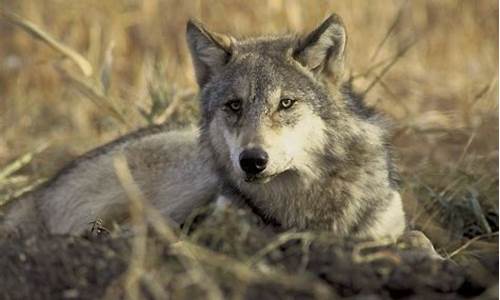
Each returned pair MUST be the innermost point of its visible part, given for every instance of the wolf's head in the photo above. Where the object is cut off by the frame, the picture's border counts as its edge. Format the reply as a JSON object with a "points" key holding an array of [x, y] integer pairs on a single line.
{"points": [[266, 101]]}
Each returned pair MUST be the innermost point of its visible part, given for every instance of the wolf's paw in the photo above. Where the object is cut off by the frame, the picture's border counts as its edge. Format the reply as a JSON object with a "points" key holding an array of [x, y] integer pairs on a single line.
{"points": [[415, 239]]}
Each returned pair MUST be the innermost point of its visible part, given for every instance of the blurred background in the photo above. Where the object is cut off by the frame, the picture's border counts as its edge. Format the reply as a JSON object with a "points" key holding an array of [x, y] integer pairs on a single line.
{"points": [[430, 66]]}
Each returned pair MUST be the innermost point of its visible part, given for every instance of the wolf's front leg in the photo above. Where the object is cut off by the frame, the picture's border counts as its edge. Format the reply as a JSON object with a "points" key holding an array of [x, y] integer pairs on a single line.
{"points": [[418, 240]]}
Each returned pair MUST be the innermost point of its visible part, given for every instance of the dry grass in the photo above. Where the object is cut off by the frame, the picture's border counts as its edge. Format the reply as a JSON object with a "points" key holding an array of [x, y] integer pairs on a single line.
{"points": [[98, 69]]}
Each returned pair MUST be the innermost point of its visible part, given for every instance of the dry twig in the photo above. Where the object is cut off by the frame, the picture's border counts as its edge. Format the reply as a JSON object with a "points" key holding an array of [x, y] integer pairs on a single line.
{"points": [[94, 95], [470, 242], [40, 34], [387, 67]]}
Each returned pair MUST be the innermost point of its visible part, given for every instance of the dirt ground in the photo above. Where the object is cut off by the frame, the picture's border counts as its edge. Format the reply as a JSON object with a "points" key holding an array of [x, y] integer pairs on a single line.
{"points": [[293, 265]]}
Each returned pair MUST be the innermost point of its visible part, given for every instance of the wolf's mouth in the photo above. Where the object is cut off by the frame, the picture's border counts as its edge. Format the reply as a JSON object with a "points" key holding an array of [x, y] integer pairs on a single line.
{"points": [[259, 179], [265, 178]]}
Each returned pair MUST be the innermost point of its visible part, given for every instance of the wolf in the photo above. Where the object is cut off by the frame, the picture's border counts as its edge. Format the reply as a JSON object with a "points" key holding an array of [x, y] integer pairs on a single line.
{"points": [[289, 136], [281, 132]]}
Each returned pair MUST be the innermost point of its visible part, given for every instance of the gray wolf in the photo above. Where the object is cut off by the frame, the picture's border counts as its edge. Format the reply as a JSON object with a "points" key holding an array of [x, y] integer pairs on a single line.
{"points": [[281, 132], [290, 138]]}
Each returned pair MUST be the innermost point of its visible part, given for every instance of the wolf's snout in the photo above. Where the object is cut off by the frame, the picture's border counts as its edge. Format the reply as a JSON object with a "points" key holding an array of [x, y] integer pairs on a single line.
{"points": [[253, 161]]}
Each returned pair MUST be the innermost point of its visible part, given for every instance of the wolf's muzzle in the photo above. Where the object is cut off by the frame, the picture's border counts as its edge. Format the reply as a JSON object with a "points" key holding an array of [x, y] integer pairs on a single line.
{"points": [[253, 161]]}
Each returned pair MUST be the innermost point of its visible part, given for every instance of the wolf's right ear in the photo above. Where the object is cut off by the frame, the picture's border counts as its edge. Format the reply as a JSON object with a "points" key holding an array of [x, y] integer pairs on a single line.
{"points": [[209, 50], [322, 50]]}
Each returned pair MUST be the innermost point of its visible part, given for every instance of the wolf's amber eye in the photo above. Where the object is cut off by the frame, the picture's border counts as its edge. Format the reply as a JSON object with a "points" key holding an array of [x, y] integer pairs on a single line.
{"points": [[286, 103], [234, 105]]}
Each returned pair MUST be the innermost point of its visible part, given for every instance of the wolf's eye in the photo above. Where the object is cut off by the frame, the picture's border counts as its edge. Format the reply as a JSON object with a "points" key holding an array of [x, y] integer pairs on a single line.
{"points": [[234, 105], [286, 103]]}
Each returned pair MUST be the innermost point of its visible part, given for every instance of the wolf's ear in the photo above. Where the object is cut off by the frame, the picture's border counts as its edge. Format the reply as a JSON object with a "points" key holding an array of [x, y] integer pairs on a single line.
{"points": [[322, 50], [210, 51]]}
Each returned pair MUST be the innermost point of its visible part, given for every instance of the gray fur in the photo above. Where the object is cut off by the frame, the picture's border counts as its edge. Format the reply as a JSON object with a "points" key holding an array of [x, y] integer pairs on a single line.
{"points": [[329, 169], [162, 163], [343, 180]]}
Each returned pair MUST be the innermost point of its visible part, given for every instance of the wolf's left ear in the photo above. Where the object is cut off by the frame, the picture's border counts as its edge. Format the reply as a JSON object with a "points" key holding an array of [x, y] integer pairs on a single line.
{"points": [[322, 50], [210, 51]]}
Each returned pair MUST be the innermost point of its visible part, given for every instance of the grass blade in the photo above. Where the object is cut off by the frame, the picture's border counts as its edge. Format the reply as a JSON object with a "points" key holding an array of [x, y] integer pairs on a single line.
{"points": [[38, 33]]}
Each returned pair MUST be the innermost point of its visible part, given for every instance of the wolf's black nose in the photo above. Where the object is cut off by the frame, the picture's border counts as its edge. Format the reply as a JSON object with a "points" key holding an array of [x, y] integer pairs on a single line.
{"points": [[253, 161]]}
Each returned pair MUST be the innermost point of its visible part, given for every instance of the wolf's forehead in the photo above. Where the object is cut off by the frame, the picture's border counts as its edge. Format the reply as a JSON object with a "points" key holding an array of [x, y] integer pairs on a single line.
{"points": [[255, 80], [261, 74], [264, 54], [260, 69]]}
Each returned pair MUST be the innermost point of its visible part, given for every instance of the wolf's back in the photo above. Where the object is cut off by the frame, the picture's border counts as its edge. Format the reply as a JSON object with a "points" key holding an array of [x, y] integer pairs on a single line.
{"points": [[169, 167]]}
